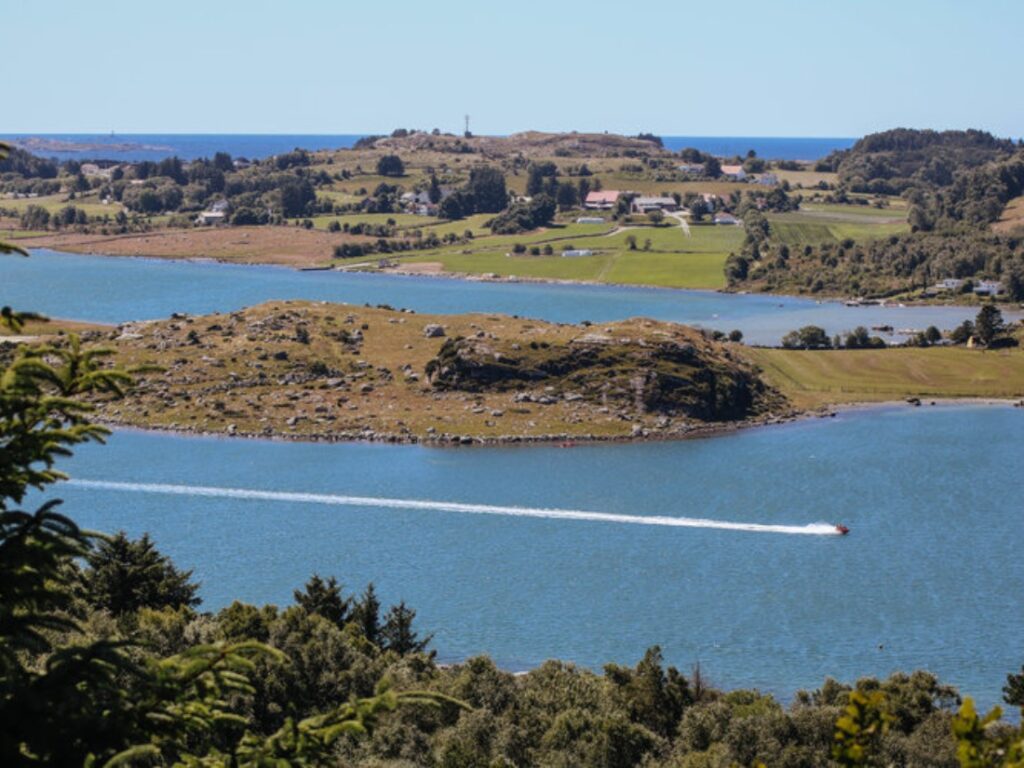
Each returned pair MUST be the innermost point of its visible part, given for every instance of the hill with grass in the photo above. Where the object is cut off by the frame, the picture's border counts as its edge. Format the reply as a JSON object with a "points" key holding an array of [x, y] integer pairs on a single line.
{"points": [[338, 372], [526, 144]]}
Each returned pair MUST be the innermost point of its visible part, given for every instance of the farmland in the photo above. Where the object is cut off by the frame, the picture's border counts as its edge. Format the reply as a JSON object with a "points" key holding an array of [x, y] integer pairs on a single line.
{"points": [[663, 256], [816, 378], [53, 203], [817, 223]]}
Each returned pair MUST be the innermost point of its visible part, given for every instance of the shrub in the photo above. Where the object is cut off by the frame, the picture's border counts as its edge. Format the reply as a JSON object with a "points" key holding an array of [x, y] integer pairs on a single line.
{"points": [[390, 165]]}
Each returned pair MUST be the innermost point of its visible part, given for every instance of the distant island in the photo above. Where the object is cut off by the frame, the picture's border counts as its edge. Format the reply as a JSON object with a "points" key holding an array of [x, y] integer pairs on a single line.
{"points": [[42, 145]]}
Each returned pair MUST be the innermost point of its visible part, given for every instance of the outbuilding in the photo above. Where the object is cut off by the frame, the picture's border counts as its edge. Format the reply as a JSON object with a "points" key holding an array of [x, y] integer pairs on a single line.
{"points": [[734, 172], [207, 218], [648, 204]]}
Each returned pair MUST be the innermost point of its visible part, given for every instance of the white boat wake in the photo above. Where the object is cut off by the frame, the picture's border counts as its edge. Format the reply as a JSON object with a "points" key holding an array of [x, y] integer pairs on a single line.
{"points": [[812, 529]]}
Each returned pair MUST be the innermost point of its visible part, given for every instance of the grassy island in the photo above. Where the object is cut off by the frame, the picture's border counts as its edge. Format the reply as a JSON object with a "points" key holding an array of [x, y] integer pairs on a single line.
{"points": [[318, 371]]}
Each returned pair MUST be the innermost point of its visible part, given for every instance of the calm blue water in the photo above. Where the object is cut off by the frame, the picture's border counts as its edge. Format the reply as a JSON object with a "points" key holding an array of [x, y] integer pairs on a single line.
{"points": [[931, 575], [190, 146], [768, 147], [106, 289]]}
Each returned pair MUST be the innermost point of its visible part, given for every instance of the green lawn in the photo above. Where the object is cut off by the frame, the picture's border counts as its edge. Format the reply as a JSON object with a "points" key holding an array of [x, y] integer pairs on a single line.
{"points": [[814, 224], [895, 211], [15, 234], [474, 224], [821, 377], [674, 259], [53, 203], [670, 270], [402, 220], [612, 265]]}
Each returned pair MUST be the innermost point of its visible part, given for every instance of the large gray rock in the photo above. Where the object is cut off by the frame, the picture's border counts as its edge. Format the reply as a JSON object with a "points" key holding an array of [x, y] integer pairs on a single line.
{"points": [[433, 330]]}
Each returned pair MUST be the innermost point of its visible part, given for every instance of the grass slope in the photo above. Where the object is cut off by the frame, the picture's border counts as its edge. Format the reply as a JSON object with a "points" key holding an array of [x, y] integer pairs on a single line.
{"points": [[356, 372], [815, 378]]}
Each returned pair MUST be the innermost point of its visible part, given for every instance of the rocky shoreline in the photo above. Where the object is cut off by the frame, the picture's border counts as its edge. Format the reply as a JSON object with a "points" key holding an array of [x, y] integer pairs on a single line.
{"points": [[450, 440], [643, 435]]}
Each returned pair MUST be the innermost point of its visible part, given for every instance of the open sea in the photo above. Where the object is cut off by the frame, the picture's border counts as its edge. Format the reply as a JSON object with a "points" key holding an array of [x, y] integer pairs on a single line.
{"points": [[188, 146]]}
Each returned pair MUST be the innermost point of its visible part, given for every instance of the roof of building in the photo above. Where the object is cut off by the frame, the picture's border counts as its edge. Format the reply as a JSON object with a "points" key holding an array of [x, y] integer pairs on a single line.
{"points": [[655, 201], [732, 170], [604, 196]]}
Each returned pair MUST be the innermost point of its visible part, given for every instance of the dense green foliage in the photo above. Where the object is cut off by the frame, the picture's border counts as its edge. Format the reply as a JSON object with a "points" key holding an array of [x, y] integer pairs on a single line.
{"points": [[485, 192], [883, 267], [808, 337], [390, 165], [18, 162], [956, 182], [521, 217], [893, 161]]}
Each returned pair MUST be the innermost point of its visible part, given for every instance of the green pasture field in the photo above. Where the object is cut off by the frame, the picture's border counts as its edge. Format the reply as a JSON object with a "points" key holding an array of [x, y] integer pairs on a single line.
{"points": [[813, 378], [674, 260], [896, 210], [814, 224], [402, 220], [54, 203]]}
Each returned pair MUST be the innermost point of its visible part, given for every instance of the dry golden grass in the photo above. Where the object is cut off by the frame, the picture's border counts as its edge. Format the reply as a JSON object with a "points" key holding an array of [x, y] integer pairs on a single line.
{"points": [[52, 327], [247, 373], [1012, 218], [289, 246]]}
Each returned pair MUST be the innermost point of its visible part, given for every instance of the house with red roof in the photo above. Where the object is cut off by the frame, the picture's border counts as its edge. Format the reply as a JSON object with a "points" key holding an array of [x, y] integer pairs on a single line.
{"points": [[602, 201]]}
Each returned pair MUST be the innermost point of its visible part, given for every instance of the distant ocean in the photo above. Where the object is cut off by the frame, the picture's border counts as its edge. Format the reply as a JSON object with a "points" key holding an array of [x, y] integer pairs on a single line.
{"points": [[188, 146]]}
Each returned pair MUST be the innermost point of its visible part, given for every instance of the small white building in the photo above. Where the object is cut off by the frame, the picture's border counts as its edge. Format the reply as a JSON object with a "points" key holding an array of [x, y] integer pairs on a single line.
{"points": [[693, 169], [949, 284], [577, 252], [767, 180], [410, 199], [590, 220], [734, 172], [209, 218], [726, 218]]}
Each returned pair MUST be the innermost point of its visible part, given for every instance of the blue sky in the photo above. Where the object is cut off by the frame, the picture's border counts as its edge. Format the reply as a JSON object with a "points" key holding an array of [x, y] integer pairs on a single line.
{"points": [[782, 68]]}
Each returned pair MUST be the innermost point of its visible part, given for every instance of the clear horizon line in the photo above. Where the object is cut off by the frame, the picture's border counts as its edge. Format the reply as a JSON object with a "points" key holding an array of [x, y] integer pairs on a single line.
{"points": [[387, 134]]}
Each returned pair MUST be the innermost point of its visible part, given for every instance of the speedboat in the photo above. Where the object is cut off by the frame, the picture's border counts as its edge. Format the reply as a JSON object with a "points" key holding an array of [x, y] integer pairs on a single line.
{"points": [[842, 530]]}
